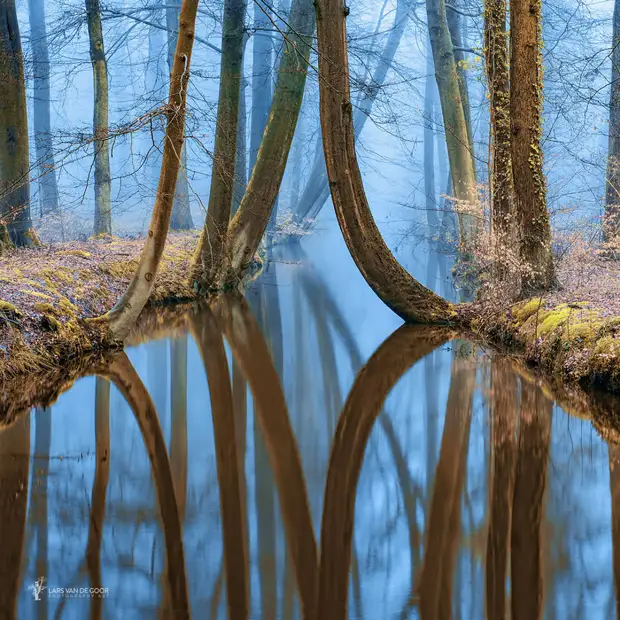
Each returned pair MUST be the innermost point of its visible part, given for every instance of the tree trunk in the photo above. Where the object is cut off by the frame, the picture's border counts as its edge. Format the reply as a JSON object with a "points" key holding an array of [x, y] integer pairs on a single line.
{"points": [[530, 189], [432, 221], [178, 407], [614, 489], [211, 247], [395, 286], [455, 122], [241, 159], [181, 212], [14, 155], [48, 187], [501, 485], [500, 174], [103, 205], [124, 314], [527, 508], [611, 217], [248, 226], [316, 190]]}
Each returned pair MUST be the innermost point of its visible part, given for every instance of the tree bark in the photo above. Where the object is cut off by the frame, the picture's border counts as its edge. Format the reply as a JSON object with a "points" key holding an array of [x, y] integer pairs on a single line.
{"points": [[124, 314], [48, 187], [181, 212], [455, 122], [103, 205], [611, 217], [530, 188], [248, 226], [394, 286], [15, 222], [432, 221], [497, 69], [211, 247], [614, 489]]}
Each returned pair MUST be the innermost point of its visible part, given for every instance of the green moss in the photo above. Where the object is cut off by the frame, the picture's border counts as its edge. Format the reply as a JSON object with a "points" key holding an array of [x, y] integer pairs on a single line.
{"points": [[5, 306], [523, 311], [80, 253]]}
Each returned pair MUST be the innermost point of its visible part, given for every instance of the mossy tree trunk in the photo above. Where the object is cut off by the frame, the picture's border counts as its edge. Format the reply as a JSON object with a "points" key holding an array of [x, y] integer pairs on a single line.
{"points": [[211, 247], [500, 176], [124, 314], [395, 286], [181, 212], [103, 205], [455, 122], [611, 219], [248, 226], [48, 186], [14, 154], [530, 188]]}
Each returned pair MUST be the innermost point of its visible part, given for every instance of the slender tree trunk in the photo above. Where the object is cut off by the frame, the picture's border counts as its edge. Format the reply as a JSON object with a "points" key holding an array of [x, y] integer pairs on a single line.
{"points": [[15, 222], [455, 122], [14, 472], [178, 440], [181, 212], [501, 485], [500, 173], [614, 488], [611, 217], [100, 486], [241, 159], [394, 286], [248, 226], [103, 205], [530, 189], [210, 253], [124, 314], [432, 220], [527, 509], [48, 187], [262, 66], [316, 191]]}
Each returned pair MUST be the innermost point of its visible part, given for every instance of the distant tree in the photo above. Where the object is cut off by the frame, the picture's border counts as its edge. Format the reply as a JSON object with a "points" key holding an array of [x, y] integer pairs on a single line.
{"points": [[48, 187], [103, 207], [15, 222]]}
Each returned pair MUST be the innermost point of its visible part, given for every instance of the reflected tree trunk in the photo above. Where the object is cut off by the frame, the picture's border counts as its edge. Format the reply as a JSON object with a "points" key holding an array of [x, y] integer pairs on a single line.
{"points": [[527, 507], [100, 486], [501, 484], [42, 124], [14, 472], [443, 523], [614, 487], [178, 439], [103, 205], [181, 218], [15, 223], [236, 560]]}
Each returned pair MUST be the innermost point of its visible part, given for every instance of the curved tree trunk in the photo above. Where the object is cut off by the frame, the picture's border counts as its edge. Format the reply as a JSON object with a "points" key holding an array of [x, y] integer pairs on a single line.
{"points": [[15, 222], [124, 314], [103, 206], [530, 189], [455, 122], [611, 218], [181, 218], [42, 125], [395, 286], [500, 174], [211, 247], [248, 226], [316, 191]]}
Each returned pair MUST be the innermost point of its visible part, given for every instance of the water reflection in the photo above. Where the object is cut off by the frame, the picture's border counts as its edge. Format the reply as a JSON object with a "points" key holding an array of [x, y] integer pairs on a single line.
{"points": [[219, 472]]}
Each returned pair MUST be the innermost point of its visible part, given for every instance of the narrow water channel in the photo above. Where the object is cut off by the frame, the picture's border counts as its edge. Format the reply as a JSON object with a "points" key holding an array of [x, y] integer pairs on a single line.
{"points": [[298, 454]]}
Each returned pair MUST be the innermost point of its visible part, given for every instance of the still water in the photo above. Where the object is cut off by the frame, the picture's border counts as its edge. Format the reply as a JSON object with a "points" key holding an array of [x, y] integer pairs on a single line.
{"points": [[297, 454]]}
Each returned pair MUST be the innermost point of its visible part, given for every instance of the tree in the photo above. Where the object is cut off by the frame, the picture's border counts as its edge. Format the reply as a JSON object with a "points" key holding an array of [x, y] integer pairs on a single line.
{"points": [[124, 314], [530, 188], [103, 207], [209, 254], [393, 284], [455, 121], [15, 222], [48, 186], [500, 177], [611, 219], [181, 212]]}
